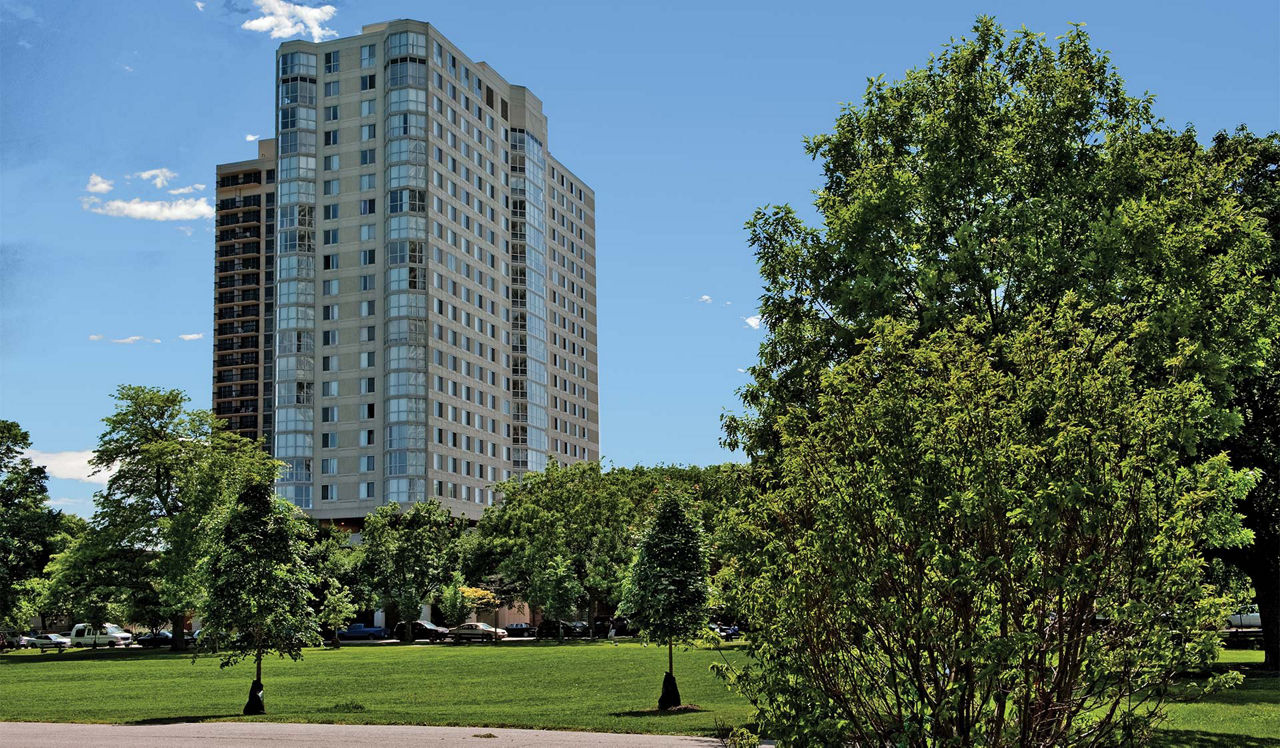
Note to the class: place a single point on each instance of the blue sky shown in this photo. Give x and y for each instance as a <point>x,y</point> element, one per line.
<point>684,116</point>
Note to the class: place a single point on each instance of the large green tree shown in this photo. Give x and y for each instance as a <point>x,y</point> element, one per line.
<point>259,584</point>
<point>28,527</point>
<point>560,539</point>
<point>173,468</point>
<point>409,556</point>
<point>979,193</point>
<point>666,586</point>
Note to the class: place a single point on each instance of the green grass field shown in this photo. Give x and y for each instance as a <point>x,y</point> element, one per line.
<point>580,686</point>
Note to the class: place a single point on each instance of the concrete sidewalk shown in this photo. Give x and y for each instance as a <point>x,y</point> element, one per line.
<point>218,734</point>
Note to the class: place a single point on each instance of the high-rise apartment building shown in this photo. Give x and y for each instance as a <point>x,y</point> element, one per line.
<point>434,286</point>
<point>242,308</point>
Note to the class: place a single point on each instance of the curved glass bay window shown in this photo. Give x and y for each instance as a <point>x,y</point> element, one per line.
<point>295,273</point>
<point>528,303</point>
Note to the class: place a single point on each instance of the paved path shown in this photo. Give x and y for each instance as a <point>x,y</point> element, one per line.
<point>218,734</point>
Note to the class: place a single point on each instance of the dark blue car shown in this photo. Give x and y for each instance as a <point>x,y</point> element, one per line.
<point>361,631</point>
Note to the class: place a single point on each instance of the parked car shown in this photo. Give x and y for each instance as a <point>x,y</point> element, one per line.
<point>477,632</point>
<point>551,629</point>
<point>15,640</point>
<point>50,641</point>
<point>361,631</point>
<point>1249,620</point>
<point>111,635</point>
<point>162,638</point>
<point>621,626</point>
<point>521,630</point>
<point>727,631</point>
<point>422,630</point>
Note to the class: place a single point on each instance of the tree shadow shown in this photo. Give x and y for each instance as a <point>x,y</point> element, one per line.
<point>1201,739</point>
<point>104,653</point>
<point>178,720</point>
<point>655,712</point>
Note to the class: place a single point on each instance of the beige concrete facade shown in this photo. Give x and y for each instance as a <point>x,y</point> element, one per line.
<point>434,281</point>
<point>243,310</point>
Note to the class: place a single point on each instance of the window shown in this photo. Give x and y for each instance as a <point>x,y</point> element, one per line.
<point>368,410</point>
<point>367,464</point>
<point>366,438</point>
<point>330,236</point>
<point>368,55</point>
<point>330,388</point>
<point>331,162</point>
<point>329,414</point>
<point>330,137</point>
<point>297,63</point>
<point>366,182</point>
<point>331,62</point>
<point>368,156</point>
<point>330,187</point>
<point>367,336</point>
<point>329,312</point>
<point>367,234</point>
<point>367,310</point>
<point>329,363</point>
<point>407,43</point>
<point>368,257</point>
<point>330,288</point>
<point>330,113</point>
<point>368,206</point>
<point>368,132</point>
<point>328,440</point>
<point>368,108</point>
<point>366,282</point>
<point>328,492</point>
<point>367,357</point>
<point>367,489</point>
<point>367,82</point>
<point>330,263</point>
<point>330,211</point>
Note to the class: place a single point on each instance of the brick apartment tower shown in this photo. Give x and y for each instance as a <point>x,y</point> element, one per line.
<point>434,281</point>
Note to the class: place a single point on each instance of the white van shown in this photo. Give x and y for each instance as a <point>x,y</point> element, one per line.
<point>111,635</point>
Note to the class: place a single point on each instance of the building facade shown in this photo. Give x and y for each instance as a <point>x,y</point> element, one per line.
<point>434,280</point>
<point>243,311</point>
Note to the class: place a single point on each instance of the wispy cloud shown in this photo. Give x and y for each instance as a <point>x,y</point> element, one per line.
<point>742,371</point>
<point>185,209</point>
<point>25,44</point>
<point>186,230</point>
<point>199,6</point>
<point>71,465</point>
<point>728,303</point>
<point>159,177</point>
<point>95,336</point>
<point>705,299</point>
<point>129,340</point>
<point>99,185</point>
<point>284,19</point>
<point>753,321</point>
<point>127,69</point>
<point>188,189</point>
<point>251,138</point>
<point>156,340</point>
<point>192,336</point>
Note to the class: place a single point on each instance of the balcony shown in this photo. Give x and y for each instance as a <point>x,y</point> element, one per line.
<point>235,203</point>
<point>235,180</point>
<point>233,235</point>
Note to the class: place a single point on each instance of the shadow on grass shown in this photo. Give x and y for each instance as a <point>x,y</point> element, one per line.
<point>107,653</point>
<point>1199,739</point>
<point>655,712</point>
<point>179,720</point>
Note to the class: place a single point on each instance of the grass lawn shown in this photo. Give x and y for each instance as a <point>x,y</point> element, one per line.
<point>579,686</point>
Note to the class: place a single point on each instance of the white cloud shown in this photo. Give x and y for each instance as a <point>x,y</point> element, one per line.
<point>199,6</point>
<point>95,336</point>
<point>99,185</point>
<point>742,371</point>
<point>728,303</point>
<point>192,336</point>
<point>188,189</point>
<point>251,138</point>
<point>284,19</point>
<point>753,321</point>
<point>705,299</point>
<point>186,230</point>
<point>155,340</point>
<point>24,44</point>
<point>185,209</point>
<point>159,177</point>
<point>69,465</point>
<point>127,69</point>
<point>129,340</point>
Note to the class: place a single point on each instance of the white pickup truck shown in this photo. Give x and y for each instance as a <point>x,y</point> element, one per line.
<point>110,635</point>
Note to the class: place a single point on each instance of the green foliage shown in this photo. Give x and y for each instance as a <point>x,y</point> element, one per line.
<point>28,528</point>
<point>408,555</point>
<point>560,539</point>
<point>337,608</point>
<point>339,584</point>
<point>173,470</point>
<point>666,588</point>
<point>961,553</point>
<point>985,420</point>
<point>259,584</point>
<point>455,606</point>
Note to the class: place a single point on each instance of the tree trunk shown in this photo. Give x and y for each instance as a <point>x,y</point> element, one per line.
<point>670,697</point>
<point>671,658</point>
<point>179,643</point>
<point>255,704</point>
<point>1266,585</point>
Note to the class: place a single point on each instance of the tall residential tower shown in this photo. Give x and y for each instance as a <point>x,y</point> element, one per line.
<point>434,287</point>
